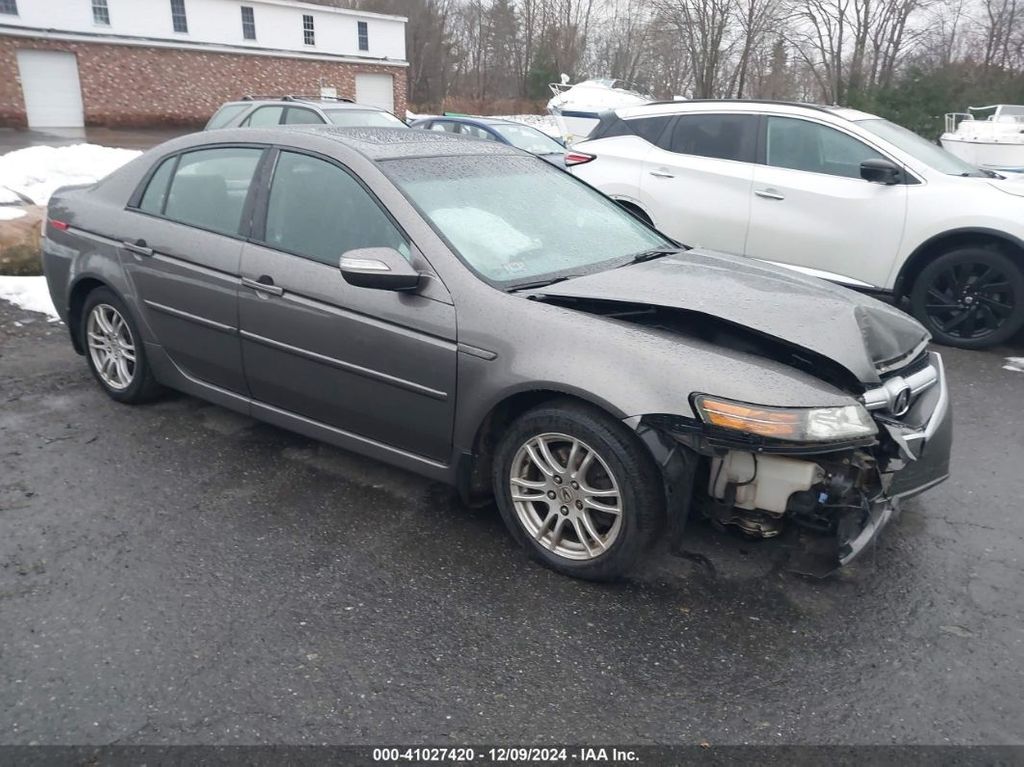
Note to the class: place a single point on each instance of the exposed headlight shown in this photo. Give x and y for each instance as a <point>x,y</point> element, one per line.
<point>796,424</point>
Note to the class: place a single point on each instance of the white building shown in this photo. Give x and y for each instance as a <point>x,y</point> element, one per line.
<point>71,62</point>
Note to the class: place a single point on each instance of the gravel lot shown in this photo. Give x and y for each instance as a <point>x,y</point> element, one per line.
<point>179,574</point>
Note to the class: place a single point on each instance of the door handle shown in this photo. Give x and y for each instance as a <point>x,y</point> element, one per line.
<point>265,284</point>
<point>138,247</point>
<point>770,194</point>
<point>661,174</point>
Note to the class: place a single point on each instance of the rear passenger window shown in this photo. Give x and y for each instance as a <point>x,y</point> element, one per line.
<point>475,132</point>
<point>210,186</point>
<point>721,136</point>
<point>319,211</point>
<point>156,192</point>
<point>296,116</point>
<point>650,129</point>
<point>264,116</point>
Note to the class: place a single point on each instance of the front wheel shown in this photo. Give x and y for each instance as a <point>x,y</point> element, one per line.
<point>578,491</point>
<point>970,297</point>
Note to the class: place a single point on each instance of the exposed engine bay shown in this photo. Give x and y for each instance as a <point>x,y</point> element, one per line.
<point>759,494</point>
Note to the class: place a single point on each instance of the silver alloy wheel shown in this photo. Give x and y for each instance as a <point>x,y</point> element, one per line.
<point>111,346</point>
<point>565,496</point>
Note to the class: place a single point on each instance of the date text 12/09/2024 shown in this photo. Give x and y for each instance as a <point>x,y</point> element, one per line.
<point>504,754</point>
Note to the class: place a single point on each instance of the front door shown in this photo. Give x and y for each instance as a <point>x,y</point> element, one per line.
<point>810,207</point>
<point>696,180</point>
<point>181,245</point>
<point>373,363</point>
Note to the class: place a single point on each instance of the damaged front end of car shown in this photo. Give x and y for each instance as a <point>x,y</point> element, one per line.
<point>837,474</point>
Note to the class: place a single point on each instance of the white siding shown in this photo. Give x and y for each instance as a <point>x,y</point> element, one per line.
<point>278,24</point>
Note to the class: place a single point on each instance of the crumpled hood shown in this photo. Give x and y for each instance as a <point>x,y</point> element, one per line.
<point>862,334</point>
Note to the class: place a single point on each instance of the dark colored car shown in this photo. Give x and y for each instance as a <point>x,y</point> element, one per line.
<point>466,311</point>
<point>503,131</point>
<point>292,110</point>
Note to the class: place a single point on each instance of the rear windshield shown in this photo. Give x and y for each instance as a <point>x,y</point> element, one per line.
<point>362,118</point>
<point>225,114</point>
<point>529,139</point>
<point>516,220</point>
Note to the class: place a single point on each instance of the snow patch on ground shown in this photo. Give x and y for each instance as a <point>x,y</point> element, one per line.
<point>1016,364</point>
<point>9,214</point>
<point>29,293</point>
<point>37,171</point>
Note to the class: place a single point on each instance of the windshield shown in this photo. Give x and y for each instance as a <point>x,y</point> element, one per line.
<point>529,139</point>
<point>362,118</point>
<point>517,220</point>
<point>931,154</point>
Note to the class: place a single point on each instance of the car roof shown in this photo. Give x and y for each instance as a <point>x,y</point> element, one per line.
<point>473,120</point>
<point>373,143</point>
<point>751,105</point>
<point>318,103</point>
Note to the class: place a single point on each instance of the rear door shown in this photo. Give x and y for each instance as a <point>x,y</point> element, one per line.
<point>181,246</point>
<point>810,208</point>
<point>374,363</point>
<point>696,181</point>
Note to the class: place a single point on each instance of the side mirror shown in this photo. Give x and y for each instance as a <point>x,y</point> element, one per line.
<point>378,268</point>
<point>881,172</point>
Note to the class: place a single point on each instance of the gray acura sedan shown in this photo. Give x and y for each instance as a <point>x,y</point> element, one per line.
<point>466,311</point>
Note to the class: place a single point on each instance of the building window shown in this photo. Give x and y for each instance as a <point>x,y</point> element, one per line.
<point>100,12</point>
<point>9,6</point>
<point>308,32</point>
<point>364,36</point>
<point>248,23</point>
<point>178,16</point>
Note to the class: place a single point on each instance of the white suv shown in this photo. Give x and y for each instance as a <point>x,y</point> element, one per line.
<point>831,192</point>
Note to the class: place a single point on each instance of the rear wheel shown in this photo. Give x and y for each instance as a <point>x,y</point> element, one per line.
<point>578,491</point>
<point>114,349</point>
<point>970,297</point>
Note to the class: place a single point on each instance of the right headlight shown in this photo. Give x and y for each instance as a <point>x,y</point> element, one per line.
<point>799,424</point>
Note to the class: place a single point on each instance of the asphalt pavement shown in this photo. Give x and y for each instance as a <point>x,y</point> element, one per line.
<point>178,574</point>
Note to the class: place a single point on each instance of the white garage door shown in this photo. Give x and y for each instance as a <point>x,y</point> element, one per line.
<point>53,96</point>
<point>376,90</point>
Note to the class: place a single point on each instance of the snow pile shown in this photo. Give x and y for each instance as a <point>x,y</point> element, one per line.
<point>37,171</point>
<point>29,293</point>
<point>9,214</point>
<point>1014,364</point>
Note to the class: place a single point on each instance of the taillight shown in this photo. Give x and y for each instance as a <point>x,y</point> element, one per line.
<point>62,225</point>
<point>577,158</point>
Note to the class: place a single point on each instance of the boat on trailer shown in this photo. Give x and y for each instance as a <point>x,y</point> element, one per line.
<point>995,142</point>
<point>578,107</point>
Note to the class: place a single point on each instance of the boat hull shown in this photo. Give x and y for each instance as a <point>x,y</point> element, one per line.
<point>991,155</point>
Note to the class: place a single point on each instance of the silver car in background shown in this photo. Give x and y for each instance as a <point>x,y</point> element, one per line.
<point>254,112</point>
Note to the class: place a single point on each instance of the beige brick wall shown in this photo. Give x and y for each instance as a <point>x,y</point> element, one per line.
<point>125,85</point>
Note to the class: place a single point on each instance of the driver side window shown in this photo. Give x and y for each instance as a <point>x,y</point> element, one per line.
<point>318,211</point>
<point>815,148</point>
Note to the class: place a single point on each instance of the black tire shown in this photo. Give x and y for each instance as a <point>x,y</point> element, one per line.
<point>640,496</point>
<point>970,297</point>
<point>143,386</point>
